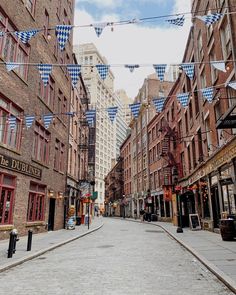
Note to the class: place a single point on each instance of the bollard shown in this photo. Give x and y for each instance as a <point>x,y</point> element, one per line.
<point>11,245</point>
<point>15,240</point>
<point>29,242</point>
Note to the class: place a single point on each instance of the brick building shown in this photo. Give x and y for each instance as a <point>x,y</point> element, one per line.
<point>33,160</point>
<point>125,152</point>
<point>115,203</point>
<point>152,88</point>
<point>199,139</point>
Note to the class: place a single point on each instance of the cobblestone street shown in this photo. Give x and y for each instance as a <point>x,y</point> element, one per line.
<point>121,258</point>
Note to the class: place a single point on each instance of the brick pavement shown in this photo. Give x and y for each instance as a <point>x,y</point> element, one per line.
<point>121,258</point>
<point>43,242</point>
<point>218,255</point>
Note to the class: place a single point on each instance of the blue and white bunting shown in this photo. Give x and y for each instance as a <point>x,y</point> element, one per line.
<point>12,122</point>
<point>90,117</point>
<point>131,67</point>
<point>179,21</point>
<point>183,98</point>
<point>25,36</point>
<point>219,65</point>
<point>135,108</point>
<point>189,69</point>
<point>1,34</point>
<point>63,33</point>
<point>29,121</point>
<point>11,66</point>
<point>112,111</point>
<point>232,84</point>
<point>209,19</point>
<point>103,71</point>
<point>208,93</point>
<point>159,103</point>
<point>99,28</point>
<point>74,71</point>
<point>45,70</point>
<point>160,71</point>
<point>47,119</point>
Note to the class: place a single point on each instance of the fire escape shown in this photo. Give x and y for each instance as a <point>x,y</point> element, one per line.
<point>171,170</point>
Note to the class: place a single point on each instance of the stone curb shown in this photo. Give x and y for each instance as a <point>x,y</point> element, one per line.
<point>231,284</point>
<point>41,252</point>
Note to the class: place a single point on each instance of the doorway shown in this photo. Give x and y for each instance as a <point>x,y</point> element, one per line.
<point>215,206</point>
<point>187,207</point>
<point>51,216</point>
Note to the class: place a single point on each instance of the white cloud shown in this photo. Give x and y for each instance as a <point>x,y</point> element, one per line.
<point>135,44</point>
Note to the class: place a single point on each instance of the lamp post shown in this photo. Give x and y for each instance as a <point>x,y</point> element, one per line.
<point>179,215</point>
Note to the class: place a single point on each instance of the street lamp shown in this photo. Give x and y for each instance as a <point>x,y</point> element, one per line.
<point>179,215</point>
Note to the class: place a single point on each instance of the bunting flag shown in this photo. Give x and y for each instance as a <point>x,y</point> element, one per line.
<point>99,28</point>
<point>25,36</point>
<point>135,108</point>
<point>179,21</point>
<point>208,93</point>
<point>210,18</point>
<point>183,98</point>
<point>11,66</point>
<point>47,119</point>
<point>189,69</point>
<point>74,71</point>
<point>131,67</point>
<point>63,33</point>
<point>219,65</point>
<point>1,34</point>
<point>159,103</point>
<point>112,111</point>
<point>90,117</point>
<point>12,122</point>
<point>232,84</point>
<point>160,71</point>
<point>45,70</point>
<point>103,71</point>
<point>29,121</point>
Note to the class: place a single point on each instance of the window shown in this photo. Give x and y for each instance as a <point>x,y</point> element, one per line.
<point>203,79</point>
<point>30,4</point>
<point>186,122</point>
<point>208,135</point>
<point>214,72</point>
<point>7,187</point>
<point>180,130</point>
<point>46,24</point>
<point>189,159</point>
<point>47,93</point>
<point>200,47</point>
<point>8,136</point>
<point>12,49</point>
<point>225,40</point>
<point>41,144</point>
<point>36,202</point>
<point>59,154</point>
<point>196,102</point>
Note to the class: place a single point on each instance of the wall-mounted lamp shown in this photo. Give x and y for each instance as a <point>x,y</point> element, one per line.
<point>60,195</point>
<point>51,193</point>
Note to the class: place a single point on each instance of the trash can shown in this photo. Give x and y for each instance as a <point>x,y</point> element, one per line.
<point>153,217</point>
<point>227,229</point>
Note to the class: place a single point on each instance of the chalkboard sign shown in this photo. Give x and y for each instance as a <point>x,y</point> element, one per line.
<point>194,221</point>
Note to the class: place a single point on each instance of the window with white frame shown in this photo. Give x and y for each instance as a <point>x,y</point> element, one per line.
<point>8,136</point>
<point>11,48</point>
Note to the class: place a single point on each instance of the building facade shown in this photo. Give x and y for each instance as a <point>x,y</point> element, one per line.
<point>151,89</point>
<point>33,160</point>
<point>109,136</point>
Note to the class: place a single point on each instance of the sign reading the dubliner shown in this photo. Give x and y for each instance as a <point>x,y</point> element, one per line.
<point>19,166</point>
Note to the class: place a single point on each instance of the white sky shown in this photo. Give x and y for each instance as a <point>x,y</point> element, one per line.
<point>135,44</point>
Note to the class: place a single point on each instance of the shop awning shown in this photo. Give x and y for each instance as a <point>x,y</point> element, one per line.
<point>228,120</point>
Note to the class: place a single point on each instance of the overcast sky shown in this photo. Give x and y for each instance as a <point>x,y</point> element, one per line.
<point>145,43</point>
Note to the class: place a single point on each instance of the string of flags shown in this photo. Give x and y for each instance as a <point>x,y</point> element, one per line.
<point>74,70</point>
<point>63,31</point>
<point>90,115</point>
